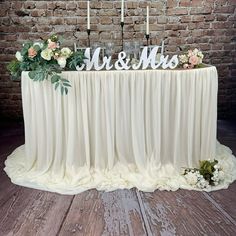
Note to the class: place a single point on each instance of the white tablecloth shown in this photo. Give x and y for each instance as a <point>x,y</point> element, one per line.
<point>118,129</point>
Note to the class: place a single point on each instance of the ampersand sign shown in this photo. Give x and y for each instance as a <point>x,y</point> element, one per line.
<point>122,62</point>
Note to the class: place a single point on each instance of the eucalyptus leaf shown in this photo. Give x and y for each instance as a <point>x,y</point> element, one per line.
<point>62,90</point>
<point>32,74</point>
<point>37,48</point>
<point>65,80</point>
<point>37,75</point>
<point>55,78</point>
<point>56,86</point>
<point>66,84</point>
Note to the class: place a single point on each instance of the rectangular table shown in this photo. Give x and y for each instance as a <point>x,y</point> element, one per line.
<point>116,129</point>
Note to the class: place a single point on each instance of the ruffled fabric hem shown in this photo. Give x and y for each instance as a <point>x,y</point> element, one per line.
<point>119,177</point>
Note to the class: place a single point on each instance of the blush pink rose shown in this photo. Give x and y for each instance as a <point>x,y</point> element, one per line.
<point>52,45</point>
<point>32,52</point>
<point>190,53</point>
<point>193,60</point>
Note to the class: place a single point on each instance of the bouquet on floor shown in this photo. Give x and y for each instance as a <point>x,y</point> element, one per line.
<point>45,61</point>
<point>191,59</point>
<point>209,173</point>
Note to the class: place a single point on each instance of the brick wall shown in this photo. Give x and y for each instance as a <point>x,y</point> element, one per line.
<point>207,24</point>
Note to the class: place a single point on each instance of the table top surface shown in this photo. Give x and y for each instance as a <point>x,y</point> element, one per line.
<point>205,66</point>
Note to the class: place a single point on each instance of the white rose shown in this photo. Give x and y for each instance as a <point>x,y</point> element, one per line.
<point>66,52</point>
<point>46,54</point>
<point>19,56</point>
<point>61,62</point>
<point>191,178</point>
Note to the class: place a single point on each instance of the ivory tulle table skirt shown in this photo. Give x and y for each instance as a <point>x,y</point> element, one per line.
<point>119,129</point>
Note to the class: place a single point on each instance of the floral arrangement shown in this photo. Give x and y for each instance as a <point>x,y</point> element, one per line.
<point>210,173</point>
<point>191,59</point>
<point>46,60</point>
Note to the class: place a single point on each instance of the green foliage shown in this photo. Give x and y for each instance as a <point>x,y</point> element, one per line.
<point>76,59</point>
<point>14,68</point>
<point>62,83</point>
<point>55,78</point>
<point>200,66</point>
<point>45,72</point>
<point>207,169</point>
<point>26,46</point>
<point>25,66</point>
<point>37,75</point>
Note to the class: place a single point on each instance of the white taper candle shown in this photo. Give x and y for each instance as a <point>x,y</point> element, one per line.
<point>88,14</point>
<point>122,10</point>
<point>147,26</point>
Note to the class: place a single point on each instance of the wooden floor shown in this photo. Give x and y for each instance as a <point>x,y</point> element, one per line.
<point>30,212</point>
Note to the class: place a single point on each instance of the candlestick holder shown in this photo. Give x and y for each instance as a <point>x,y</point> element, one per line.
<point>122,34</point>
<point>88,32</point>
<point>147,37</point>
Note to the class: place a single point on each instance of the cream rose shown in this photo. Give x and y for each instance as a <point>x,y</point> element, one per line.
<point>46,54</point>
<point>66,52</point>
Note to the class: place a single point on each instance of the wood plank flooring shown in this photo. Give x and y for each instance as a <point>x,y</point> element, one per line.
<point>29,212</point>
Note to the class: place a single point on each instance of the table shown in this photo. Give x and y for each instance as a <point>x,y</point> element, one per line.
<point>118,129</point>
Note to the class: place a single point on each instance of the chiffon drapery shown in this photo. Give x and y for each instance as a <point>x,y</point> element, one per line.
<point>118,129</point>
